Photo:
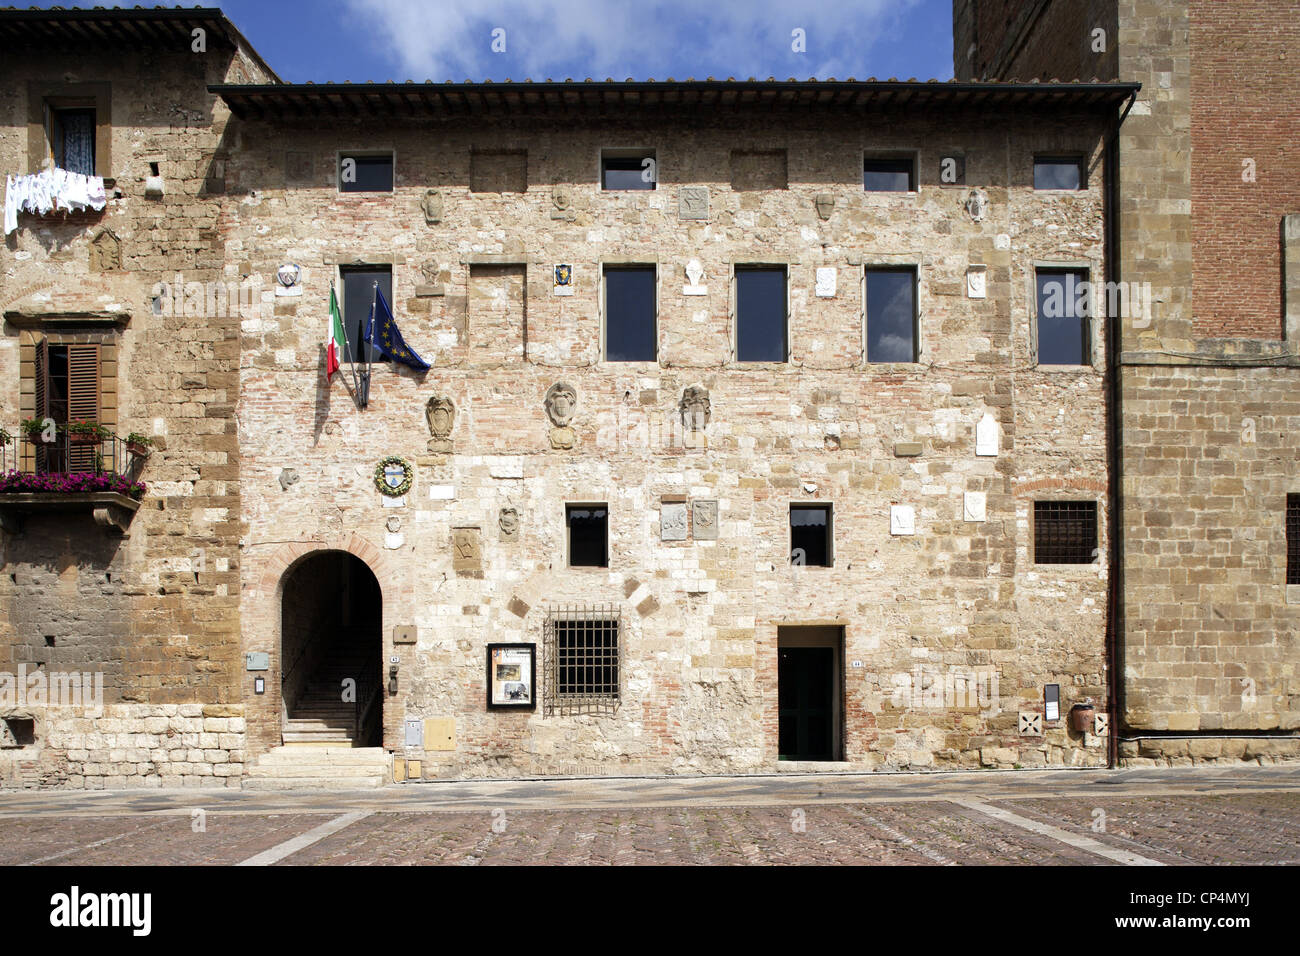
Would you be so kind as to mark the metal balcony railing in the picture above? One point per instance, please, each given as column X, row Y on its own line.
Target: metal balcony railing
column 67, row 455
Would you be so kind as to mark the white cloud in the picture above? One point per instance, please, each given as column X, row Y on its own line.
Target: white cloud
column 452, row 40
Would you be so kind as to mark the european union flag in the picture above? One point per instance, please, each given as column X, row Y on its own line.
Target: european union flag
column 382, row 334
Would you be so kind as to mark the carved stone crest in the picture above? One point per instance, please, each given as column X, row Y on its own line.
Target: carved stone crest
column 105, row 251
column 824, row 204
column 693, row 202
column 466, row 553
column 695, row 408
column 440, row 413
column 694, row 273
column 561, row 404
column 704, row 519
column 977, row 204
column 562, row 202
column 672, row 521
column 508, row 522
column 431, row 205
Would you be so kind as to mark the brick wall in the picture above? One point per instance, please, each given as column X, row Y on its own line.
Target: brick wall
column 1034, row 39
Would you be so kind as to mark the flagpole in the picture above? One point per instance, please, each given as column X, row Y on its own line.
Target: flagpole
column 370, row 350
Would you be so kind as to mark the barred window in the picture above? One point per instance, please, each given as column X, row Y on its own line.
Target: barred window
column 582, row 660
column 1065, row 532
column 1293, row 539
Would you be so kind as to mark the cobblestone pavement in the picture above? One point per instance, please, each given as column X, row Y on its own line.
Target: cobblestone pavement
column 1172, row 816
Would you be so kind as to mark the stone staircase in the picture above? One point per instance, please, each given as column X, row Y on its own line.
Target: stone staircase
column 319, row 768
column 320, row 717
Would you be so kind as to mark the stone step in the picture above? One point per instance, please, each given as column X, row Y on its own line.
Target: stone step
column 336, row 767
column 314, row 783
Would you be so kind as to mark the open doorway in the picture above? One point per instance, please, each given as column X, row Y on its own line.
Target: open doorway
column 810, row 693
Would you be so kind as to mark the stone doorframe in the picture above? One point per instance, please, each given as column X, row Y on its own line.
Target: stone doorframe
column 262, row 630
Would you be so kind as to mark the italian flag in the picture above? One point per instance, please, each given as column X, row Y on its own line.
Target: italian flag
column 333, row 338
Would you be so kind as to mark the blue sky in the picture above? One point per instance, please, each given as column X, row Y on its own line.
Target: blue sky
column 380, row 40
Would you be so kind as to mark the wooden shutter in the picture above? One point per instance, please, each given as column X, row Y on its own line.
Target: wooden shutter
column 83, row 401
column 41, row 406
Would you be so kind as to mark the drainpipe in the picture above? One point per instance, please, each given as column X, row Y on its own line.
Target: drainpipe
column 1114, row 435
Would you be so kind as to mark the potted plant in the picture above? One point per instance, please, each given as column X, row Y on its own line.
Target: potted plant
column 1081, row 716
column 5, row 437
column 138, row 444
column 36, row 432
column 86, row 433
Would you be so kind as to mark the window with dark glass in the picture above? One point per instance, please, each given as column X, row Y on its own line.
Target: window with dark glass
column 366, row 173
column 358, row 297
column 1065, row 532
column 630, row 323
column 889, row 174
column 810, row 535
column 1064, row 305
column 581, row 655
column 891, row 315
column 1058, row 172
column 72, row 140
column 588, row 535
column 1293, row 539
column 622, row 169
column 760, row 314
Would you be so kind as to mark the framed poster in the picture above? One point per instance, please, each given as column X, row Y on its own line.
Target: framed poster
column 511, row 676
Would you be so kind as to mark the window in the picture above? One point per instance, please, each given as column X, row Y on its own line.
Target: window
column 631, row 334
column 588, row 535
column 760, row 314
column 1065, row 532
column 582, row 660
column 889, row 174
column 1064, row 309
column 1058, row 172
column 72, row 140
column 365, row 173
column 891, row 315
column 358, row 297
column 810, row 535
column 623, row 169
column 67, row 389
column 1293, row 539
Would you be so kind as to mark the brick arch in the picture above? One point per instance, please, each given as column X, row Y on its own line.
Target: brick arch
column 289, row 556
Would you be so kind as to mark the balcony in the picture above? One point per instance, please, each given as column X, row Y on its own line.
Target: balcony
column 72, row 473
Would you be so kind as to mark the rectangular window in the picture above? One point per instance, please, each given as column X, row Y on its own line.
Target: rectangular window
column 72, row 140
column 761, row 314
column 631, row 333
column 891, row 315
column 1293, row 539
column 588, row 535
column 810, row 535
column 358, row 297
column 581, row 645
column 889, row 174
column 624, row 169
column 365, row 173
column 1064, row 307
column 1058, row 172
column 1065, row 532
column 68, row 388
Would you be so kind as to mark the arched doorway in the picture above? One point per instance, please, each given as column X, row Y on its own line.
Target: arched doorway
column 331, row 626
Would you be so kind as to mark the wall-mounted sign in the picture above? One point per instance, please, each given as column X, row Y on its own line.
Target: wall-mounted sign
column 257, row 661
column 1052, row 701
column 511, row 676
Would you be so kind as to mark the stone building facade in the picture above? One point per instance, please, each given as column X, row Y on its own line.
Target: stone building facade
column 272, row 592
column 1210, row 222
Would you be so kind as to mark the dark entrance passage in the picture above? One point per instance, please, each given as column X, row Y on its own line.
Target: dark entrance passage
column 809, row 693
column 331, row 653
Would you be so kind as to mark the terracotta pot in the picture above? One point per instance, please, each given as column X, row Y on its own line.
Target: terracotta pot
column 1081, row 716
column 140, row 451
column 75, row 438
column 37, row 438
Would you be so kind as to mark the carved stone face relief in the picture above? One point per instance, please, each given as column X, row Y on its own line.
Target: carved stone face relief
column 561, row 197
column 431, row 205
column 561, row 404
column 695, row 408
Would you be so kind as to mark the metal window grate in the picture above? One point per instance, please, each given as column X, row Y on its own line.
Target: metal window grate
column 1293, row 539
column 1065, row 532
column 581, row 645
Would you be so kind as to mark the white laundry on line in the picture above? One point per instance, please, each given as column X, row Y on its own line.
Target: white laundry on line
column 39, row 193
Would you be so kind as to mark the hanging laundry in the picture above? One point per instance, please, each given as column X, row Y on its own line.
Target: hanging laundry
column 48, row 190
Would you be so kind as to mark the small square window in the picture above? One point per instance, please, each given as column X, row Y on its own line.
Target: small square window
column 810, row 535
column 72, row 140
column 1058, row 172
column 1064, row 310
column 1293, row 539
column 891, row 315
column 365, row 172
column 623, row 169
column 1065, row 532
column 761, row 315
column 630, row 327
column 588, row 535
column 889, row 174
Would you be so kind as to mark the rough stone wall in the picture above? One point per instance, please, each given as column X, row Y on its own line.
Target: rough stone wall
column 1034, row 39
column 155, row 611
column 699, row 617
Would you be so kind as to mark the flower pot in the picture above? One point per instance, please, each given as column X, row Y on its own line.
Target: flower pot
column 78, row 438
column 1081, row 716
column 38, row 438
column 140, row 451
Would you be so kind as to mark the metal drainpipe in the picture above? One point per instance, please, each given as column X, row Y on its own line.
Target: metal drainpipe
column 1114, row 434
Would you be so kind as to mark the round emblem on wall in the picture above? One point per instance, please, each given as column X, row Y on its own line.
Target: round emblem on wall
column 393, row 476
